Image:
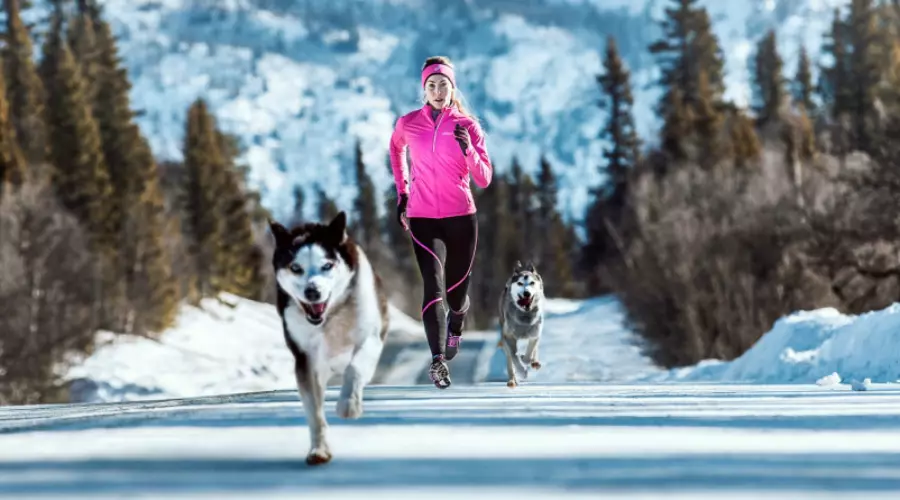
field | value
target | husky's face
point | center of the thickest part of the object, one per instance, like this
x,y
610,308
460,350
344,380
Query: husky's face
x,y
526,288
313,264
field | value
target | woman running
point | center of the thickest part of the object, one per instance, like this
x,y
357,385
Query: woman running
x,y
445,145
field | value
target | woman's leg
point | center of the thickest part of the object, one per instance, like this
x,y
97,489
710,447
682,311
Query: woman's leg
x,y
461,237
430,254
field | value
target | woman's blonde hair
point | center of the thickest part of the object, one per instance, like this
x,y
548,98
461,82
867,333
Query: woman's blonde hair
x,y
458,99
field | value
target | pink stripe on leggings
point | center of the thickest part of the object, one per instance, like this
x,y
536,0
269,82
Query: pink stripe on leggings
x,y
471,263
435,258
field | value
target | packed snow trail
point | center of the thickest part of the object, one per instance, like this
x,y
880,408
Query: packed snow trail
x,y
559,440
584,341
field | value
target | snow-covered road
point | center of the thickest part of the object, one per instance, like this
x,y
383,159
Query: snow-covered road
x,y
690,441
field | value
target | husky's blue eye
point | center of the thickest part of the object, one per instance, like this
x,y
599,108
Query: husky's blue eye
x,y
327,266
295,268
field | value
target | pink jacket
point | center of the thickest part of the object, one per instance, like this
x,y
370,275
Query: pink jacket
x,y
439,183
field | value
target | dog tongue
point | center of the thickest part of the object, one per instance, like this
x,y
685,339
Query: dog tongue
x,y
317,308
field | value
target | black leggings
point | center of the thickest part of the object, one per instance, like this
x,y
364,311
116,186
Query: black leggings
x,y
445,252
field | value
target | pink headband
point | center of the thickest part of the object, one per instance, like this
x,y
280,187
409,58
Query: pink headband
x,y
442,69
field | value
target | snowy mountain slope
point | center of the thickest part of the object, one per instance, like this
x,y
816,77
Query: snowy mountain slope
x,y
298,81
540,441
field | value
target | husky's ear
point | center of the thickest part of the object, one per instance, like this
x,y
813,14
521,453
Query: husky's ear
x,y
281,234
530,267
337,228
518,266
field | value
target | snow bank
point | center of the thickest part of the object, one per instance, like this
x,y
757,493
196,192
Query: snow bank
x,y
821,346
224,346
234,345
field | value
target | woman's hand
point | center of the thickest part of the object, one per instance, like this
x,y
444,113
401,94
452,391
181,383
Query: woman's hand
x,y
462,137
401,209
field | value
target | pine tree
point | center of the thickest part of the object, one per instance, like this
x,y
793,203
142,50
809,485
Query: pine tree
x,y
24,88
365,208
745,145
12,162
521,193
492,252
866,68
327,208
623,152
889,91
203,219
708,121
122,140
802,85
835,79
547,190
51,47
82,40
80,175
554,262
136,200
152,289
769,84
622,155
238,259
298,216
799,142
514,177
688,45
677,127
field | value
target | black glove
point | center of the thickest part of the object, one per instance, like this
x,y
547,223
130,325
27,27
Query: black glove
x,y
401,209
462,137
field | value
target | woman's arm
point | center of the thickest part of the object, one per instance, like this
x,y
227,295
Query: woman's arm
x,y
397,151
477,160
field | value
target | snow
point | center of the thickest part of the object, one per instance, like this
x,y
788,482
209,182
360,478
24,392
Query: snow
x,y
583,341
236,345
209,411
807,346
615,441
221,347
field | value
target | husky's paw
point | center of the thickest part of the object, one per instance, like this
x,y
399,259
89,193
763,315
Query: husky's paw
x,y
536,364
521,367
350,408
318,456
511,384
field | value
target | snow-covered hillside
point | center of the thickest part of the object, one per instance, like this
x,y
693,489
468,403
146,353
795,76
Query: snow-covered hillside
x,y
225,345
299,81
236,345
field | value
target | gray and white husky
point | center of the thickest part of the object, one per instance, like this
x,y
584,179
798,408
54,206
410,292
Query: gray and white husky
x,y
521,318
334,316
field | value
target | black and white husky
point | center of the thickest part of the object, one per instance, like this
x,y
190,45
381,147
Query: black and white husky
x,y
334,315
521,318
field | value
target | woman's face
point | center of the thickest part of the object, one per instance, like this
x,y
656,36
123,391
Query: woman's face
x,y
438,91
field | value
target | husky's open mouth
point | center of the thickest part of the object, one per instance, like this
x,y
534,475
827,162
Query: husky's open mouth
x,y
525,302
314,312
